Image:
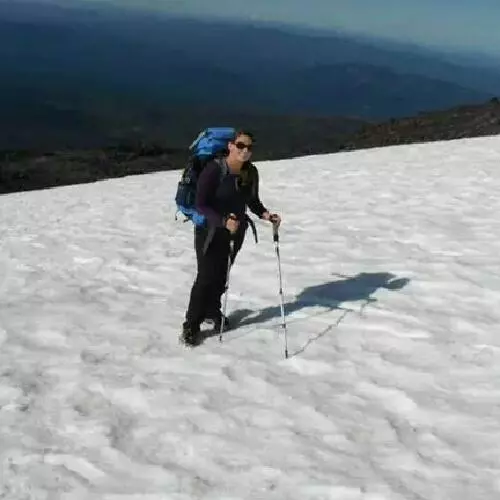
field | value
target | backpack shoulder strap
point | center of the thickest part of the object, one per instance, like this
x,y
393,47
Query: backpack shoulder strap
x,y
224,169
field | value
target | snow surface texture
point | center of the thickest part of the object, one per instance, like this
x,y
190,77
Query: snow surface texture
x,y
391,268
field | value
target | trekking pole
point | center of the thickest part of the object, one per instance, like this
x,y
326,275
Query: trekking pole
x,y
223,319
276,240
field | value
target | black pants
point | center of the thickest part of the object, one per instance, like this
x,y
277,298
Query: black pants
x,y
210,282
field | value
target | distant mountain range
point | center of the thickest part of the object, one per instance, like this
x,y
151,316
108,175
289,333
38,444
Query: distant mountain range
x,y
87,76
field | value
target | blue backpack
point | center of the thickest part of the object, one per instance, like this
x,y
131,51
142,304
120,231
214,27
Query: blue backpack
x,y
210,143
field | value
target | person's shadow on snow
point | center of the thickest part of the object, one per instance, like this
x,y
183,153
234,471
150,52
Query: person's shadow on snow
x,y
331,295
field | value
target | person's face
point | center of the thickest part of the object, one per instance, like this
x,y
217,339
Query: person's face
x,y
241,149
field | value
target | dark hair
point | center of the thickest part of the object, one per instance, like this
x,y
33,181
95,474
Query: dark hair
x,y
240,132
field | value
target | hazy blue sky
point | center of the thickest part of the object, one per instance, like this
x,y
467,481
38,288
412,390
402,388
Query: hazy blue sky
x,y
472,24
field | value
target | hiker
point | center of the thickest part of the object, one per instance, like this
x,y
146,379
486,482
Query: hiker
x,y
223,200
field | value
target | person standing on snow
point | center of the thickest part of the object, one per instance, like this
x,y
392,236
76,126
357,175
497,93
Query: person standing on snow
x,y
223,200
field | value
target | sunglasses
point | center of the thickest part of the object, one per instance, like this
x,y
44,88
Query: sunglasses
x,y
241,146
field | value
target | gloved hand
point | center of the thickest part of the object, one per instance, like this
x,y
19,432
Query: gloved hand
x,y
232,223
275,219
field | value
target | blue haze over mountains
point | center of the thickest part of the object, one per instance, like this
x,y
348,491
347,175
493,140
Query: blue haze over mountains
x,y
79,72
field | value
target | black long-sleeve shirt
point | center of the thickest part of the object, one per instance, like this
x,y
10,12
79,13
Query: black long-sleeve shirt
x,y
219,194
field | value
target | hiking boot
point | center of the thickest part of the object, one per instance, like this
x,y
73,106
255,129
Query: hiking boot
x,y
190,335
216,321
